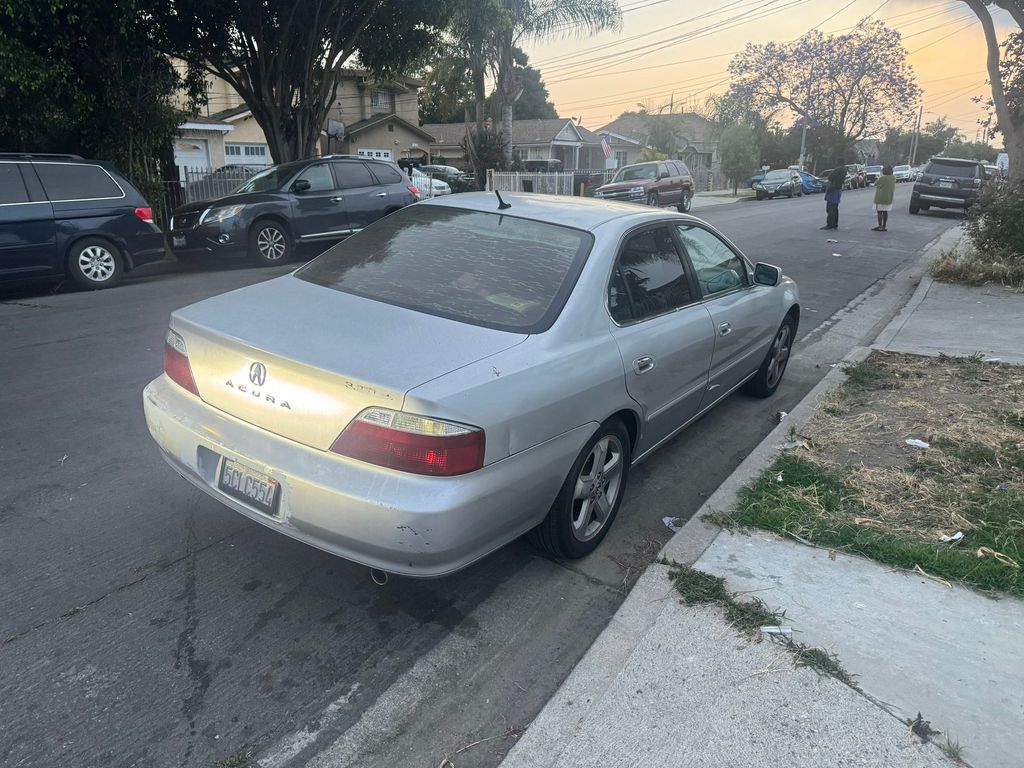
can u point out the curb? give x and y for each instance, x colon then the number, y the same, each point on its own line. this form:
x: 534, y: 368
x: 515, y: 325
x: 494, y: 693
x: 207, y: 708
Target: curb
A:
x: 892, y: 330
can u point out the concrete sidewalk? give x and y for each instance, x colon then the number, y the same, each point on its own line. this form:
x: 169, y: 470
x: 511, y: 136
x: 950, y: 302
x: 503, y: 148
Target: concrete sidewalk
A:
x: 673, y: 685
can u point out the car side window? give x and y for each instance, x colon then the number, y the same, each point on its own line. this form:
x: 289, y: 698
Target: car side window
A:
x: 685, y: 169
x: 72, y: 181
x: 319, y: 178
x: 352, y: 175
x: 12, y: 186
x: 386, y: 174
x: 716, y: 265
x: 649, y: 277
x: 662, y: 169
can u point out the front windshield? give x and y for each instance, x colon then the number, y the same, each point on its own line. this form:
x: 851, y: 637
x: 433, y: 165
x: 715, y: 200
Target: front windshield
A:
x: 875, y: 168
x: 269, y: 180
x: 902, y: 168
x: 777, y: 176
x: 636, y: 173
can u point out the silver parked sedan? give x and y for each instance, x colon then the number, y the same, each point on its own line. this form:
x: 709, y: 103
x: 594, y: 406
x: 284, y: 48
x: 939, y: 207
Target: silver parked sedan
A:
x: 465, y: 371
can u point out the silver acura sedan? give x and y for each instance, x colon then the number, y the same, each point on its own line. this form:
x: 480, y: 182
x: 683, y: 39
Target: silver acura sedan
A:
x: 464, y: 371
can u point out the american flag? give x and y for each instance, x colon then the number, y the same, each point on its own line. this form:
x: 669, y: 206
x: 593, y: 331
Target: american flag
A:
x: 606, y: 147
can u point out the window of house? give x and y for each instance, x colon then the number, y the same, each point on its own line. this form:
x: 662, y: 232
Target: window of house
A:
x: 391, y: 127
x: 620, y: 159
x: 649, y: 278
x: 380, y: 99
x: 247, y: 154
x: 718, y: 268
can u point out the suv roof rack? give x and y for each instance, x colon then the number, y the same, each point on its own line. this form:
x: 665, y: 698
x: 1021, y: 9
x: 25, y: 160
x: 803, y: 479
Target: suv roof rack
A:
x: 40, y: 155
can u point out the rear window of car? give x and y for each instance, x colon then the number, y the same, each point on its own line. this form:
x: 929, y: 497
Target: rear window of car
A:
x: 70, y: 181
x: 386, y: 174
x: 956, y: 170
x: 12, y: 186
x: 477, y: 267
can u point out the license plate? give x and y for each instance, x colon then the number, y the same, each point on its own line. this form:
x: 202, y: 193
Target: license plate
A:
x: 178, y: 242
x: 946, y: 184
x: 246, y: 484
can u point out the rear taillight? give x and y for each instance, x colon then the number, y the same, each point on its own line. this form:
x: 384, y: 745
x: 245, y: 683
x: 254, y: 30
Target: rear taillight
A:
x: 176, y: 364
x: 146, y: 214
x: 414, y: 189
x: 412, y: 443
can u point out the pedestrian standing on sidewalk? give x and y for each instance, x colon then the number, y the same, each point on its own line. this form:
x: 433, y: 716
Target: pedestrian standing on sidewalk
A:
x: 885, y: 190
x: 833, y: 195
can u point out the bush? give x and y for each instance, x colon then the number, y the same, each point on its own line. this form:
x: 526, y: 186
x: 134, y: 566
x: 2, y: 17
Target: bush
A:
x: 995, y: 223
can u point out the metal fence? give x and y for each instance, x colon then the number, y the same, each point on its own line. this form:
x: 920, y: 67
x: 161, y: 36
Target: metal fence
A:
x: 209, y: 184
x: 579, y: 183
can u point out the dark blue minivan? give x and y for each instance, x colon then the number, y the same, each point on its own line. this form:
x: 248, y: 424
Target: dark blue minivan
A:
x: 63, y: 216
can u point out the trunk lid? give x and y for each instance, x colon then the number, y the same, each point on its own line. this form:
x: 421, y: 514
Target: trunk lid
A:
x: 301, y: 361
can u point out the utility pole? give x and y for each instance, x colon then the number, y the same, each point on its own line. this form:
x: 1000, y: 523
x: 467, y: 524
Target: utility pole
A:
x: 914, y: 141
x: 803, y: 144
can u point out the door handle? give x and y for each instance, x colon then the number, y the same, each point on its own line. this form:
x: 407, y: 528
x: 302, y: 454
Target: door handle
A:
x: 725, y: 329
x: 381, y: 194
x: 337, y: 199
x: 643, y: 364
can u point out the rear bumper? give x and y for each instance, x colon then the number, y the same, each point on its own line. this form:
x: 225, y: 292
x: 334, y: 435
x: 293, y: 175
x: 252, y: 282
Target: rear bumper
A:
x: 397, y: 522
x: 943, y: 198
x: 146, y: 248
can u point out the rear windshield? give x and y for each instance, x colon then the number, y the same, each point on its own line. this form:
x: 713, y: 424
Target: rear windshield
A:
x: 956, y: 170
x: 477, y: 267
x: 636, y: 173
x: 777, y: 175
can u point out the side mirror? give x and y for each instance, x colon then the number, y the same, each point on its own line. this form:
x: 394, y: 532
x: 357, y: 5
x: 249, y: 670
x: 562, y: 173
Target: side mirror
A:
x: 766, y: 274
x: 302, y: 185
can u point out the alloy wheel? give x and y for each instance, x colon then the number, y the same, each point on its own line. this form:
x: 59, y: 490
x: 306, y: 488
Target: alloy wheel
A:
x: 271, y: 243
x: 597, y: 488
x: 779, y: 355
x: 97, y: 263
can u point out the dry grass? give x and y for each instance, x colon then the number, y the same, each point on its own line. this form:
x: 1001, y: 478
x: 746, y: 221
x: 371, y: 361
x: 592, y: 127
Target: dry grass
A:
x: 969, y: 266
x: 857, y: 485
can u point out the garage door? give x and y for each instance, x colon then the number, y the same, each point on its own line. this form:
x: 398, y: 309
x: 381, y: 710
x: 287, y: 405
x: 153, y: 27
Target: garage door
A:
x: 192, y: 153
x: 376, y: 154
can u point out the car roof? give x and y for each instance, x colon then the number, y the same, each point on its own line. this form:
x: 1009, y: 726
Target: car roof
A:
x: 955, y: 160
x: 585, y: 213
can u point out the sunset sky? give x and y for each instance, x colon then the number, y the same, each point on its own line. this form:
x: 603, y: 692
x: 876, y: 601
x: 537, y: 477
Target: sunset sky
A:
x: 599, y: 77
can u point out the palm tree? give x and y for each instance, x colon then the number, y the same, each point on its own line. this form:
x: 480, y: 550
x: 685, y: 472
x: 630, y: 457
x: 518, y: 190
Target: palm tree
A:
x: 524, y: 21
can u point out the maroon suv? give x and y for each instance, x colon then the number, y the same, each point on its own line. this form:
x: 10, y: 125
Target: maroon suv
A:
x: 658, y: 183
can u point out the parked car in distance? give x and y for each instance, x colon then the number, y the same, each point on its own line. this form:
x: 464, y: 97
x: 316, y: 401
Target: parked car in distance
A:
x: 855, y: 173
x: 447, y: 172
x: 578, y: 337
x: 811, y: 183
x: 947, y: 182
x: 993, y: 173
x: 285, y: 207
x: 657, y: 183
x: 429, y: 186
x: 64, y: 216
x: 780, y: 182
x: 902, y: 173
x: 847, y: 181
x: 872, y: 172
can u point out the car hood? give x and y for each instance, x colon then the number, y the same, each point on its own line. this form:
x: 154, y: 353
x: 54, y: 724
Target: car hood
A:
x: 326, y: 355
x: 619, y: 186
x: 246, y: 198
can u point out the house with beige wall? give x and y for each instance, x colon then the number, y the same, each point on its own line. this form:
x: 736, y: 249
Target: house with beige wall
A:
x: 370, y: 118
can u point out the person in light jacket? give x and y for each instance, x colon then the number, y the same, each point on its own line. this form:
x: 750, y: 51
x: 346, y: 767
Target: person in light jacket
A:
x: 885, y: 190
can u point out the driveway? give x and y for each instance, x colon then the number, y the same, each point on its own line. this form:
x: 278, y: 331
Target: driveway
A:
x: 143, y: 624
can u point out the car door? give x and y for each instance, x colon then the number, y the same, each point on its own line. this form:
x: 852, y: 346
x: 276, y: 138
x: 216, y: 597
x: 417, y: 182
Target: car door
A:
x: 668, y: 192
x: 365, y: 199
x: 394, y: 184
x: 745, y: 315
x: 665, y: 336
x: 319, y: 210
x: 28, y: 235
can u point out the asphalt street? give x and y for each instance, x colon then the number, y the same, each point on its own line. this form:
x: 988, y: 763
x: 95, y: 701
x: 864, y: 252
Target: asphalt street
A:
x: 144, y: 624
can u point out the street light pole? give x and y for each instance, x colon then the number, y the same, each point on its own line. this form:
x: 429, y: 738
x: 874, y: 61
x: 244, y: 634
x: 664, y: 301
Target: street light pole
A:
x: 803, y: 144
x: 915, y: 140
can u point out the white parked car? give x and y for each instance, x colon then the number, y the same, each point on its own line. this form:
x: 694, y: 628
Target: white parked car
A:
x: 430, y: 186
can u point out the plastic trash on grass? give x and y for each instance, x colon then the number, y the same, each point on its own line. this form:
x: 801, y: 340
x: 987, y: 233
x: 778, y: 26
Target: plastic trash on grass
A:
x: 915, y: 443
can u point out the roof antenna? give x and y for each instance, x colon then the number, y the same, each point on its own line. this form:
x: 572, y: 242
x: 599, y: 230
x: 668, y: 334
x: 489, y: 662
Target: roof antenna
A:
x: 502, y: 205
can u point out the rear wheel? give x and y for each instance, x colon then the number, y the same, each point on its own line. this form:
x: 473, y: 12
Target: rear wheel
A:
x: 769, y: 375
x: 684, y: 202
x: 269, y: 243
x: 589, y: 498
x: 95, y: 263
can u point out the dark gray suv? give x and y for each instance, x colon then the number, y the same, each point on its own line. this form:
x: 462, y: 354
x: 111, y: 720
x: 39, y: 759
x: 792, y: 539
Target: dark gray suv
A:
x: 947, y: 182
x: 314, y: 202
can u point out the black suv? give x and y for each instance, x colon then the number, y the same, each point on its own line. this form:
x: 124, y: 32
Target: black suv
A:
x: 271, y: 215
x: 63, y: 216
x: 947, y: 182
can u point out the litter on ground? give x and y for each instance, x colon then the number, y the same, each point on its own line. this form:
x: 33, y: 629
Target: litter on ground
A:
x: 671, y: 523
x: 915, y: 443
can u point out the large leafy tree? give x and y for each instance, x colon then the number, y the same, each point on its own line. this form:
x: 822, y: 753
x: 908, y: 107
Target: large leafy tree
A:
x: 532, y: 102
x: 86, y: 76
x: 1005, y: 64
x: 284, y: 57
x: 740, y: 152
x: 854, y: 84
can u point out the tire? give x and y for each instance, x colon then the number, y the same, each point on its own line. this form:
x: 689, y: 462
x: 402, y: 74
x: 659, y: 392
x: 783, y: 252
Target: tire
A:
x: 652, y: 200
x: 926, y: 207
x: 759, y: 196
x: 914, y: 209
x: 773, y: 367
x: 800, y: 193
x: 94, y: 263
x: 684, y: 203
x: 574, y: 527
x: 269, y: 243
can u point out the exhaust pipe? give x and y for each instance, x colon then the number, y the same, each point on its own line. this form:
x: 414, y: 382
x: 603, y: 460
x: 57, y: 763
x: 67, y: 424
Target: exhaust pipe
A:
x: 378, y: 577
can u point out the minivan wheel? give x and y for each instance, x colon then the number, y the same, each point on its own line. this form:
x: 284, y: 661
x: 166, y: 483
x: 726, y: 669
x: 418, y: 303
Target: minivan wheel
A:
x: 95, y: 263
x: 269, y: 243
x: 652, y: 200
x: 684, y: 203
x: 769, y: 375
x: 589, y: 499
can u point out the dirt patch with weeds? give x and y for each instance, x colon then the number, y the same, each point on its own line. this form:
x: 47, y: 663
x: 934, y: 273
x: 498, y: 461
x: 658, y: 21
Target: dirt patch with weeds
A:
x: 953, y: 509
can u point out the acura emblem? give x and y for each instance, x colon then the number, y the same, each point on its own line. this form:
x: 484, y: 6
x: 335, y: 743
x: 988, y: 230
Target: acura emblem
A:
x: 258, y: 374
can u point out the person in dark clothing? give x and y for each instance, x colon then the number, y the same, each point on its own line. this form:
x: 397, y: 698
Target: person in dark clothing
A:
x: 833, y: 195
